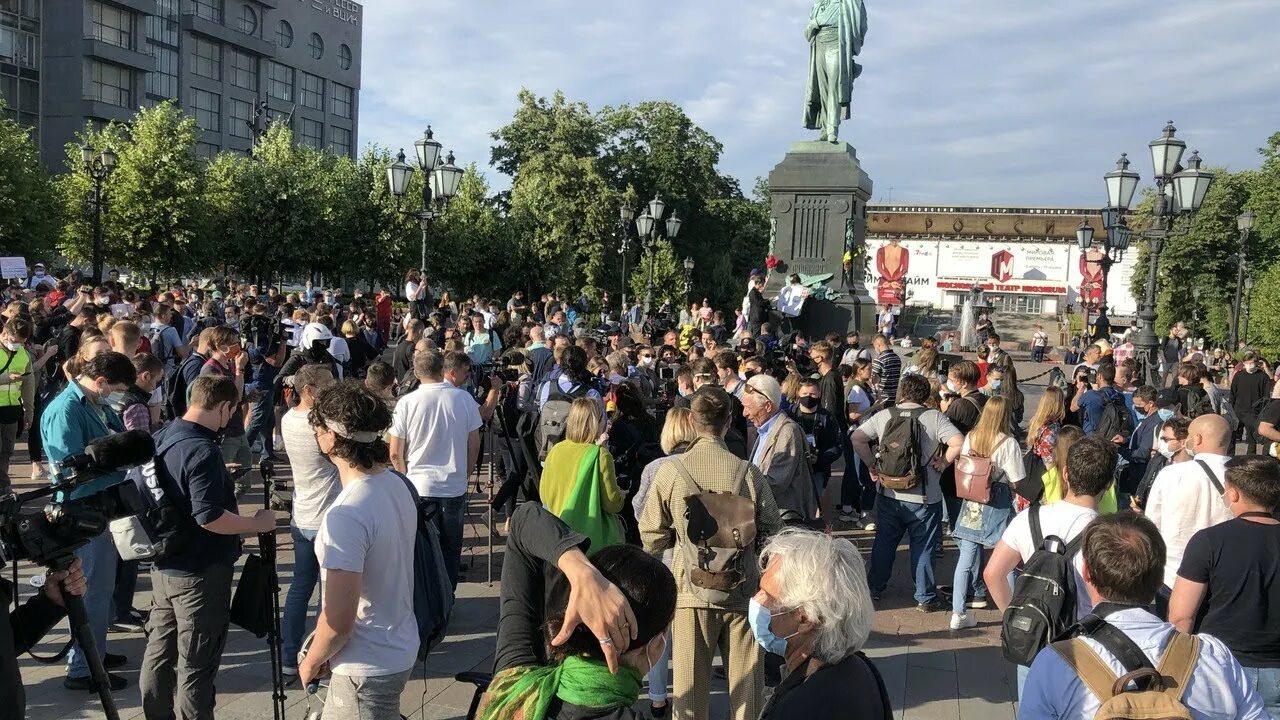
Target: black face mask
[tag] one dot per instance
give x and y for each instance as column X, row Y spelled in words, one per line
column 750, row 373
column 808, row 403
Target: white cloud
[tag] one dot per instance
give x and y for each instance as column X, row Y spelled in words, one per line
column 985, row 101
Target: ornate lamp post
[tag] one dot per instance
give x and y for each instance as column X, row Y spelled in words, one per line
column 1180, row 191
column 98, row 167
column 440, row 186
column 1248, row 311
column 1245, row 224
column 625, row 216
column 688, row 279
column 649, row 227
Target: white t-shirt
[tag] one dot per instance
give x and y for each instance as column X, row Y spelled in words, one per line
column 371, row 530
column 1063, row 520
column 339, row 349
column 1039, row 339
column 1184, row 501
column 411, row 291
column 1006, row 461
column 435, row 421
column 315, row 479
column 938, row 430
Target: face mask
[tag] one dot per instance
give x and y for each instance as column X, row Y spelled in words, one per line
column 1165, row 414
column 995, row 384
column 684, row 393
column 952, row 386
column 748, row 374
column 1250, row 367
column 113, row 399
column 760, row 619
column 1163, row 448
column 11, row 346
column 1141, row 415
column 646, row 362
column 809, row 403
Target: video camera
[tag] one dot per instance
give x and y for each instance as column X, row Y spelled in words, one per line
column 50, row 535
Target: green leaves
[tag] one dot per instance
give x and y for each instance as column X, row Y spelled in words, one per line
column 28, row 200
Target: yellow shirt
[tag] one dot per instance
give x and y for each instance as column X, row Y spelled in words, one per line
column 1053, row 492
column 560, row 473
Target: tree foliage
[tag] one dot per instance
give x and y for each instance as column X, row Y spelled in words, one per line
column 28, row 199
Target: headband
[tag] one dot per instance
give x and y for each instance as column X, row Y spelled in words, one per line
column 361, row 436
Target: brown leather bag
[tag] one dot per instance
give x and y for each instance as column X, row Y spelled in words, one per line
column 720, row 535
column 973, row 477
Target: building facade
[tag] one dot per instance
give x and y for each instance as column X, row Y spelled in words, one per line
column 224, row 61
column 1027, row 260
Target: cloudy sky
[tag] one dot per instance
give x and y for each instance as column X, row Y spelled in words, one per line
column 1002, row 102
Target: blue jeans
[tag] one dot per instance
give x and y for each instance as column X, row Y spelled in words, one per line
column 658, row 673
column 968, row 577
column 262, row 416
column 306, row 572
column 1023, row 671
column 923, row 524
column 448, row 522
column 1267, row 681
column 99, row 559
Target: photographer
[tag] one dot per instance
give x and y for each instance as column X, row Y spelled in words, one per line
column 78, row 416
column 27, row 624
column 191, row 590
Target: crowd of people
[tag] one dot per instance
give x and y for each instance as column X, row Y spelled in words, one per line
column 670, row 486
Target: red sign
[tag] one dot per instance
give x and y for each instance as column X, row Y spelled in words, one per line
column 1024, row 288
column 1002, row 266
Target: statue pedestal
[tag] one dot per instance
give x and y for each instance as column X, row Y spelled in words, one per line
column 819, row 196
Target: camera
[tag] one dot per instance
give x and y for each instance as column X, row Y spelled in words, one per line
column 667, row 373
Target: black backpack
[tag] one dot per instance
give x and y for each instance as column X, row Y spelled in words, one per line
column 1195, row 401
column 554, row 416
column 1116, row 419
column 1043, row 608
column 433, row 593
column 165, row 527
column 898, row 465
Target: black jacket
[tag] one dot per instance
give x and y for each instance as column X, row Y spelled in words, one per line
column 827, row 436
column 851, row 689
column 26, row 626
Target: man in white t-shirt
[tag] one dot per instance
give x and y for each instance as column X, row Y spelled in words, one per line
column 1091, row 464
column 1039, row 343
column 1187, row 497
column 366, row 633
column 435, row 441
column 315, row 486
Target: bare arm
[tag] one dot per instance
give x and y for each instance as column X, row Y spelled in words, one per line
column 337, row 618
column 397, row 454
column 1003, row 561
column 1184, row 603
column 473, row 451
column 1269, row 431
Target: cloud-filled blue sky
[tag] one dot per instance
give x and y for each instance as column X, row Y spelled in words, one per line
column 1003, row 102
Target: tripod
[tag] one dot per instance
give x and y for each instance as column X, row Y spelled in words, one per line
column 267, row 544
column 78, row 618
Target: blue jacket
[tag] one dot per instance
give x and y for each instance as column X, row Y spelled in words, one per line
column 72, row 421
column 1091, row 404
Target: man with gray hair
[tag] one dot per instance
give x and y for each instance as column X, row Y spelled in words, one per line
column 813, row 608
column 781, row 450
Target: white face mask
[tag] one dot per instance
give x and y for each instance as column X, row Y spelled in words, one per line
column 646, row 362
column 11, row 346
column 1163, row 448
column 952, row 386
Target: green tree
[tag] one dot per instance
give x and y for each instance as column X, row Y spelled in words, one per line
column 668, row 276
column 1263, row 329
column 471, row 247
column 28, row 199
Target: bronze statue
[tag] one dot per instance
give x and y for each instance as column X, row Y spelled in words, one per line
column 835, row 33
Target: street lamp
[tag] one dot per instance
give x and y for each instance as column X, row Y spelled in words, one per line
column 1179, row 194
column 625, row 216
column 1245, row 224
column 688, row 279
column 1248, row 311
column 98, row 166
column 438, row 188
column 649, row 227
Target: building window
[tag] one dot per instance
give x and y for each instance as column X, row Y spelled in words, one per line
column 207, row 107
column 18, row 47
column 279, row 81
column 340, row 140
column 284, row 34
column 244, row 70
column 210, row 10
column 344, row 56
column 248, row 20
column 208, row 59
column 163, row 26
column 163, row 81
column 206, row 151
column 317, row 46
column 111, row 84
column 240, row 115
column 312, row 133
column 343, row 96
column 111, row 25
column 312, row 91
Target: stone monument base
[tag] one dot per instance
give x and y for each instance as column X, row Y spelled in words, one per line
column 819, row 211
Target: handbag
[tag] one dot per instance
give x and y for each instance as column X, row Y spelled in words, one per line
column 250, row 609
column 1031, row 488
column 973, row 478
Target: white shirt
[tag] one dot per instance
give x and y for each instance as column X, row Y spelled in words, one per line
column 411, row 290
column 858, row 353
column 434, row 422
column 370, row 529
column 315, row 479
column 937, row 431
column 1183, row 502
column 1218, row 688
column 1007, row 459
column 1063, row 520
column 1039, row 339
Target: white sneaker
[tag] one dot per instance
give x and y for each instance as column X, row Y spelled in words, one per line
column 288, row 671
column 963, row 622
column 869, row 526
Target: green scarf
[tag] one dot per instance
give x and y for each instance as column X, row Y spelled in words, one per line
column 583, row 511
column 525, row 693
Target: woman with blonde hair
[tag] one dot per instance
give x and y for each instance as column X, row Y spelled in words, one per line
column 925, row 363
column 1042, row 436
column 579, row 483
column 989, row 445
column 1053, row 478
column 678, row 434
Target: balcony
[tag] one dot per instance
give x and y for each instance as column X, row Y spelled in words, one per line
column 196, row 24
column 117, row 55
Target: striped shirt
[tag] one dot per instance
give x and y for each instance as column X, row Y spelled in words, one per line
column 887, row 367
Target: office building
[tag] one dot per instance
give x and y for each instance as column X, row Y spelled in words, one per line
column 69, row 63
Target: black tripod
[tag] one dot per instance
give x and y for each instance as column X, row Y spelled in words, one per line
column 267, row 544
column 78, row 618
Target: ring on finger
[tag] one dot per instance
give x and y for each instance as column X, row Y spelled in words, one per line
column 606, row 641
